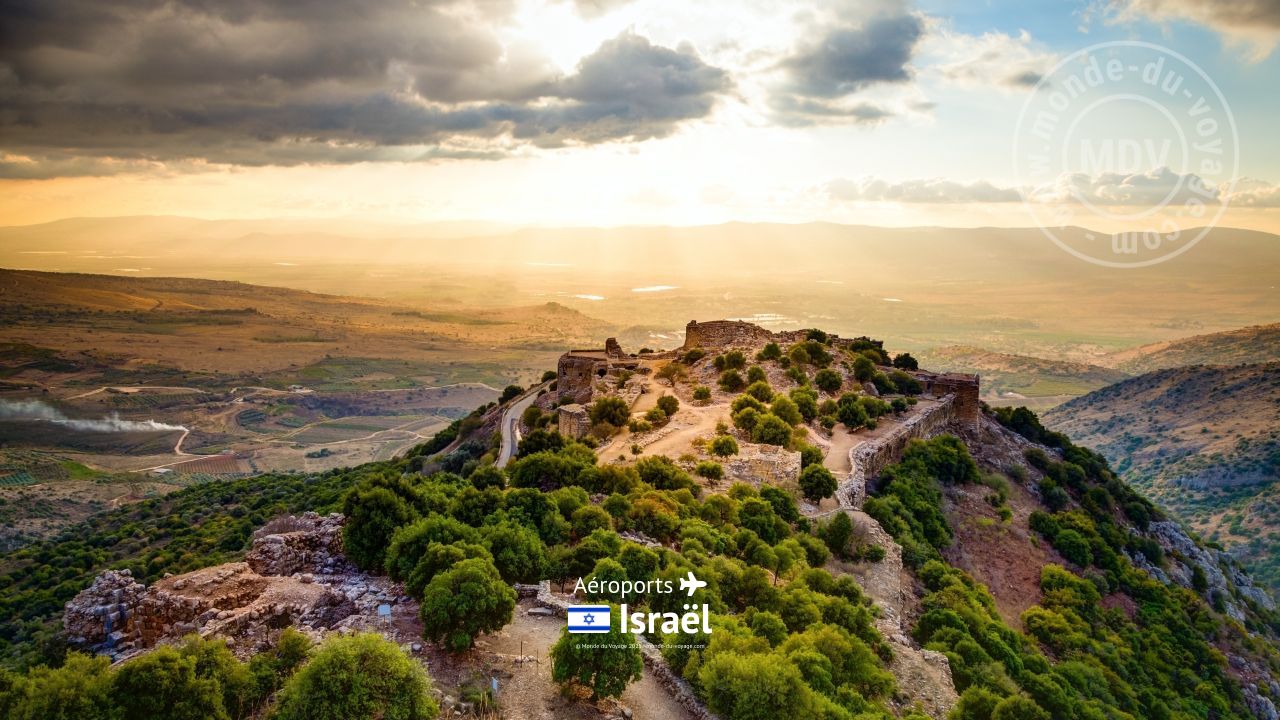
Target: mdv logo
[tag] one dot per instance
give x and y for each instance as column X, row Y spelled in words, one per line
column 588, row 618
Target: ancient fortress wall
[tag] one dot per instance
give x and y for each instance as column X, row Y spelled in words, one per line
column 869, row 458
column 724, row 334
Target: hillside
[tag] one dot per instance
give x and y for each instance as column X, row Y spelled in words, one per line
column 1201, row 440
column 916, row 558
column 1020, row 379
column 1250, row 345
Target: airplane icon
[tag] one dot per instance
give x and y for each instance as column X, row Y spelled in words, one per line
column 692, row 583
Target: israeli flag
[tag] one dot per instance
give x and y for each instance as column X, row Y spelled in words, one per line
column 588, row 618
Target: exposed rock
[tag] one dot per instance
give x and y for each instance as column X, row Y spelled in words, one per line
column 103, row 609
column 305, row 544
column 760, row 465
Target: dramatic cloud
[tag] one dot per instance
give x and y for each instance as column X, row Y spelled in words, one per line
column 933, row 190
column 290, row 82
column 821, row 76
column 1253, row 22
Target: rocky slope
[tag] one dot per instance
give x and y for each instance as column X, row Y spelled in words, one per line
column 1201, row 441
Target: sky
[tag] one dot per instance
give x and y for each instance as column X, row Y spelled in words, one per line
column 624, row 112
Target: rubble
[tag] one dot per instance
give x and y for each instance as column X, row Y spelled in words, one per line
column 293, row 575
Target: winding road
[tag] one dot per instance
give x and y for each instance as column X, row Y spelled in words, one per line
column 511, row 421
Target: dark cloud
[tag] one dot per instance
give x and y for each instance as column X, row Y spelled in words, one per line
column 843, row 62
column 103, row 86
column 1228, row 14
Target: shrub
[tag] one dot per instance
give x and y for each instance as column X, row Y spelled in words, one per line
column 760, row 391
column 710, row 470
column 461, row 603
column 755, row 374
column 702, row 393
column 611, row 410
column 437, row 558
column 510, row 392
column 785, row 408
column 358, row 676
column 662, row 473
column 770, row 351
column 817, row 482
column 655, row 416
column 731, row 381
column 771, row 430
column 1074, row 547
column 606, row 663
column 373, row 515
column 518, row 553
column 904, row 361
column 828, row 381
column 724, row 446
column 669, row 404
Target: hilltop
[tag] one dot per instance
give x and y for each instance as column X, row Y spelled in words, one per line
column 869, row 521
column 1201, row 440
column 1020, row 379
column 1254, row 344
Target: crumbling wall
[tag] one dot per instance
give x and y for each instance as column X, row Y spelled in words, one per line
column 760, row 465
column 869, row 458
column 716, row 334
column 572, row 421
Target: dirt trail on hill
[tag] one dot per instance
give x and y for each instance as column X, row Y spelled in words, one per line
column 924, row 676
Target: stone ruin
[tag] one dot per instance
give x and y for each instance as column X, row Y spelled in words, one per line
column 294, row 574
column 578, row 371
column 573, row 421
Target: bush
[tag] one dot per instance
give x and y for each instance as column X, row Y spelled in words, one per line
column 662, row 473
column 770, row 351
column 731, row 381
column 655, row 416
column 836, row 533
column 817, row 482
column 518, row 553
column 373, row 515
column 905, row 362
column 760, row 391
column 461, row 603
column 702, row 393
column 437, row 558
column 611, row 410
column 604, row 662
column 709, row 470
column 828, row 381
column 489, row 476
column 358, row 676
column 755, row 374
column 669, row 404
column 724, row 446
column 771, row 430
column 1074, row 547
column 785, row 408
column 510, row 392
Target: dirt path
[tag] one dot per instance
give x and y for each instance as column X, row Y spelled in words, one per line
column 923, row 676
column 525, row 688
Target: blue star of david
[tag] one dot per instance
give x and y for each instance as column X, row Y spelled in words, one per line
column 588, row 618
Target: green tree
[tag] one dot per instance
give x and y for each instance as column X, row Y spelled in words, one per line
column 836, row 534
column 163, row 684
column 408, row 543
column 510, row 392
column 518, row 553
column 373, row 516
column 604, row 662
column 724, row 446
column 817, row 482
column 437, row 558
column 863, row 368
column 756, row 374
column 771, row 430
column 755, row 687
column 487, row 476
column 589, row 518
column 760, row 390
column 461, row 603
column 828, row 381
column 731, row 381
column 709, row 470
column 669, row 404
column 79, row 690
column 358, row 676
column 770, row 351
column 785, row 408
column 702, row 393
column 1074, row 547
column 904, row 361
column 1019, row 707
column 611, row 410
